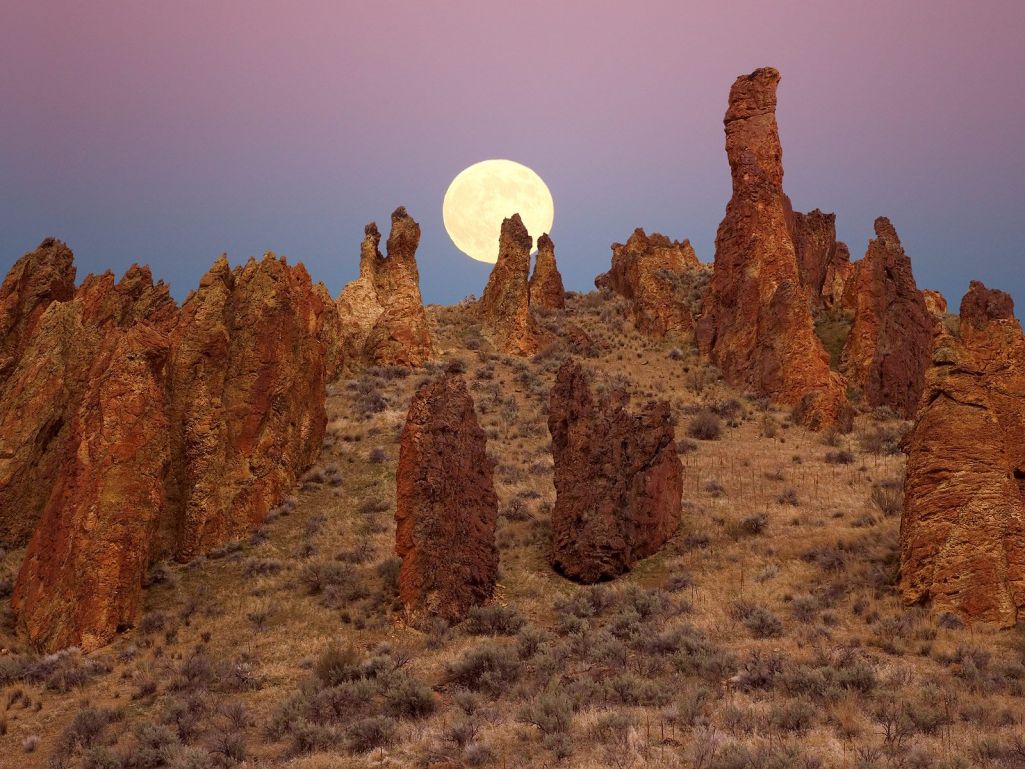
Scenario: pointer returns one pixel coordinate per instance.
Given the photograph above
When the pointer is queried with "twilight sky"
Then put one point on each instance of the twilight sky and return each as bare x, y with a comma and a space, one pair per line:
167, 133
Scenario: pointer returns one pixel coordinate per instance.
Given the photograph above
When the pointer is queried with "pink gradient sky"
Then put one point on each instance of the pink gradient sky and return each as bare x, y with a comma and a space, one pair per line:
169, 132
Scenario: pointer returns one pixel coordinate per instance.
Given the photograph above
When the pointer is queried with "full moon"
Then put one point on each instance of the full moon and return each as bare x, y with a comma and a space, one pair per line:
484, 194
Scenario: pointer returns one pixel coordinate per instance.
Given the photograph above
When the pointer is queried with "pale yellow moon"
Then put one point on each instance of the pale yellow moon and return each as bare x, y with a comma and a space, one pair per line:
484, 194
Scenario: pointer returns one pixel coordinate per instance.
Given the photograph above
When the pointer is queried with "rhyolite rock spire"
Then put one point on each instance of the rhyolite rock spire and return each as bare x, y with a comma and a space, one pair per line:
130, 430
546, 289
505, 304
823, 261
382, 311
962, 534
652, 273
890, 343
756, 323
446, 506
618, 480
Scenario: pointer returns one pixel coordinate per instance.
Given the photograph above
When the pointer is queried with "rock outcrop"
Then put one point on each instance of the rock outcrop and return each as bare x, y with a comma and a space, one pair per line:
962, 536
935, 302
545, 286
823, 261
756, 323
505, 305
618, 480
653, 273
38, 279
246, 383
446, 505
81, 578
130, 430
382, 313
43, 389
890, 342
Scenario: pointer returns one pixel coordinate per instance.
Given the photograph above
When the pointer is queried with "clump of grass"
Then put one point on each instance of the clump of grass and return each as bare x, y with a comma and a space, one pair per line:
705, 426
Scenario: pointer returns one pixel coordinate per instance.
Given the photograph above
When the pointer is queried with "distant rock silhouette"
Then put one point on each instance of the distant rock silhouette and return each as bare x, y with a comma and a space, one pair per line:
962, 538
545, 286
446, 505
756, 323
890, 342
653, 274
382, 312
505, 304
618, 480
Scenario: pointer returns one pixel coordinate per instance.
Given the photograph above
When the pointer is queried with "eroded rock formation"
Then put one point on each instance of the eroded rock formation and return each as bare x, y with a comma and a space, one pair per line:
129, 430
382, 312
963, 530
656, 277
890, 342
505, 304
823, 261
81, 578
42, 390
756, 323
935, 302
545, 286
445, 505
246, 381
618, 480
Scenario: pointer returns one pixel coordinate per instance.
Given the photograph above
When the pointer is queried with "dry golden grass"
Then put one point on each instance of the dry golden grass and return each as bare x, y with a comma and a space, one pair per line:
767, 633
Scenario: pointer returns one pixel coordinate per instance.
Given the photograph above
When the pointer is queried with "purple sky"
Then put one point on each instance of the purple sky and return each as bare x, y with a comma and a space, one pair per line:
167, 133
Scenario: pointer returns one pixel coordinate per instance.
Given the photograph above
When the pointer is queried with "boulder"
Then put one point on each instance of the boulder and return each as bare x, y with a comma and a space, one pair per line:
446, 505
618, 479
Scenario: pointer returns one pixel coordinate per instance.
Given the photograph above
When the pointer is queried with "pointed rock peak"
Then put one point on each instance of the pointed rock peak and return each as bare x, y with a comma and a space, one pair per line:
219, 272
886, 232
404, 236
546, 288
753, 94
545, 245
370, 232
981, 305
514, 232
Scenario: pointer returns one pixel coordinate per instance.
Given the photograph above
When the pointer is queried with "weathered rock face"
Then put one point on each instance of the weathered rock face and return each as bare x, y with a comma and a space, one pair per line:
505, 305
545, 287
382, 312
618, 480
652, 274
81, 578
890, 343
246, 386
935, 303
43, 389
756, 324
36, 280
823, 261
445, 505
963, 529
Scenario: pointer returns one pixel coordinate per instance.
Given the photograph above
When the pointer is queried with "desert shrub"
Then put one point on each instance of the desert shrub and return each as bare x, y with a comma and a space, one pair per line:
489, 667
842, 457
367, 734
494, 620
760, 671
705, 425
880, 440
888, 497
761, 622
788, 497
750, 526
551, 712
794, 715
408, 697
85, 729
319, 575
337, 664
